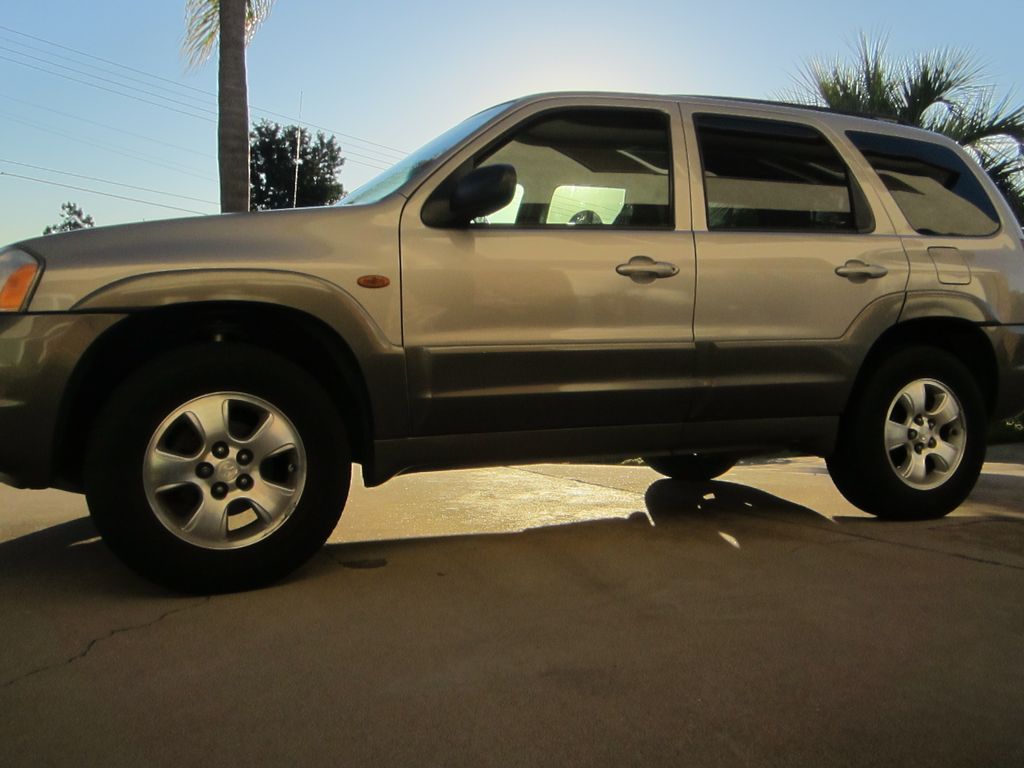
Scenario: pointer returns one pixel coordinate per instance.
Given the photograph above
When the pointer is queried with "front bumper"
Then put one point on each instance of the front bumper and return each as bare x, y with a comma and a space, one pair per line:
38, 356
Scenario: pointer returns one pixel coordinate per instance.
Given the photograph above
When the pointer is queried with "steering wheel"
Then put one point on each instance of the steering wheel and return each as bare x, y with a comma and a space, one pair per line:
585, 217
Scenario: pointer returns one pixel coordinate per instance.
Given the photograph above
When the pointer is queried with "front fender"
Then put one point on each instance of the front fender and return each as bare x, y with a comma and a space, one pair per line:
327, 302
382, 363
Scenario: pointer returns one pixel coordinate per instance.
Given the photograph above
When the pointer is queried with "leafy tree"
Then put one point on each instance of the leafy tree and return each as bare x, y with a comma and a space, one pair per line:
229, 25
943, 90
71, 218
272, 167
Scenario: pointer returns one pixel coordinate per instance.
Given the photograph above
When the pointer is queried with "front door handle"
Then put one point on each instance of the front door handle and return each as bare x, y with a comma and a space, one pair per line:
855, 269
644, 269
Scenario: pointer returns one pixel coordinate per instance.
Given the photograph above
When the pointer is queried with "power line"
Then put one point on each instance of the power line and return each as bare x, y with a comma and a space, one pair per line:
105, 61
400, 152
108, 127
108, 90
78, 63
380, 163
97, 192
198, 108
374, 162
105, 181
131, 155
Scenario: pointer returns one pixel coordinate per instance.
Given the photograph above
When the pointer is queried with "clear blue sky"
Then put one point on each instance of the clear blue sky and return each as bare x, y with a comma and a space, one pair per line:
394, 74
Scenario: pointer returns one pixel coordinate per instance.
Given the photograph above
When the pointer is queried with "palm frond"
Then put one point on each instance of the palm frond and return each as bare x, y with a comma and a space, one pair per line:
832, 84
942, 90
868, 84
877, 76
202, 26
1005, 166
256, 12
978, 119
943, 76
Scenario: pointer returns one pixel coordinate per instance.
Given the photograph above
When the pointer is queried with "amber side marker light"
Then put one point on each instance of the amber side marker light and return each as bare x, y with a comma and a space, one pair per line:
374, 281
15, 285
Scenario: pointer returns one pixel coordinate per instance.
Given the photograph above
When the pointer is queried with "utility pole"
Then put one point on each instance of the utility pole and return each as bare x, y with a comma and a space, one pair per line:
298, 158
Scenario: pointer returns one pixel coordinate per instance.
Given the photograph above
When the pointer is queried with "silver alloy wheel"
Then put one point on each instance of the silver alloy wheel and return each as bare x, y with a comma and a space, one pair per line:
925, 434
224, 470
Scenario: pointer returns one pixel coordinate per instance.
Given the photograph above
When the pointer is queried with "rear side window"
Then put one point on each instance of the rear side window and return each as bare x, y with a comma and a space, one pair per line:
931, 184
771, 175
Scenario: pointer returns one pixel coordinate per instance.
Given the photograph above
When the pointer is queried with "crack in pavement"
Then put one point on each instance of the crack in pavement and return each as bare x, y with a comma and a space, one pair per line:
97, 640
576, 480
918, 547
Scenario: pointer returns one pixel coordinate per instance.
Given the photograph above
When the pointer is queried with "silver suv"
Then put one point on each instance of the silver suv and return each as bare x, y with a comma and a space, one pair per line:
563, 276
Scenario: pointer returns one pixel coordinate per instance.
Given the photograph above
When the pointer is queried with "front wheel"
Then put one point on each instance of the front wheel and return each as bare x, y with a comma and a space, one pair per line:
912, 443
217, 468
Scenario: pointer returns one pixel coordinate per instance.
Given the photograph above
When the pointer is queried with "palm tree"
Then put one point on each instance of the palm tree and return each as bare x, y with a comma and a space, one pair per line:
231, 23
943, 90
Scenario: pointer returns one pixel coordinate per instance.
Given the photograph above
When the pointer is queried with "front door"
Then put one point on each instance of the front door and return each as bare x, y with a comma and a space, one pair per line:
573, 305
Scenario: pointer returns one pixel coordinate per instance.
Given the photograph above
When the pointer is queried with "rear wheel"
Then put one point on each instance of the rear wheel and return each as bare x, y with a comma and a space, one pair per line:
217, 468
912, 443
692, 467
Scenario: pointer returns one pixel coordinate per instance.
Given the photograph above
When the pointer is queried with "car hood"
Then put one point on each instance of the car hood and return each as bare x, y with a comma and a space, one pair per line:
312, 241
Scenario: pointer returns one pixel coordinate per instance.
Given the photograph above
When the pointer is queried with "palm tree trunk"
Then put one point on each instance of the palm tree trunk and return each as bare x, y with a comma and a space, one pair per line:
233, 120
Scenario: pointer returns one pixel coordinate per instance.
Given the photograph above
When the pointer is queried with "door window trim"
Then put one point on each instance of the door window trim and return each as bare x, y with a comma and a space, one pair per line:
860, 206
937, 147
664, 112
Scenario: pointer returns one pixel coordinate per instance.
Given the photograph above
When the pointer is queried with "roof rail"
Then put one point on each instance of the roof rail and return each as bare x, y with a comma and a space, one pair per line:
812, 107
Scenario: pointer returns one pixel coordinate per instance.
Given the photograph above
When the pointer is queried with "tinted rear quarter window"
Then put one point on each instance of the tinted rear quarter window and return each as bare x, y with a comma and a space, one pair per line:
932, 185
774, 175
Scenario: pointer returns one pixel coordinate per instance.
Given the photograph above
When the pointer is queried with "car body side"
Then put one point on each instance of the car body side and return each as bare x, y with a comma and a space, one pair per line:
112, 298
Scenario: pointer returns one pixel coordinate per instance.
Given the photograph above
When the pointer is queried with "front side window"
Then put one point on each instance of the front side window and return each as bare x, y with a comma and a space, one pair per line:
772, 175
587, 168
932, 185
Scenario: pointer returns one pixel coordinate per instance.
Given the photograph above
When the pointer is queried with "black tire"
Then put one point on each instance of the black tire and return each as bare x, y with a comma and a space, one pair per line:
692, 467
869, 474
120, 444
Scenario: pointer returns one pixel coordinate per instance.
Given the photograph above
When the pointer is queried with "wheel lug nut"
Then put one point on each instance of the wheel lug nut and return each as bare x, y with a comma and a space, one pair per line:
244, 457
919, 420
204, 470
219, 490
220, 450
931, 423
244, 482
912, 434
919, 447
932, 443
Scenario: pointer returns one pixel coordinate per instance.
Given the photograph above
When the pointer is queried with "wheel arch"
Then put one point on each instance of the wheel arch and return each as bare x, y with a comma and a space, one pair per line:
962, 338
144, 335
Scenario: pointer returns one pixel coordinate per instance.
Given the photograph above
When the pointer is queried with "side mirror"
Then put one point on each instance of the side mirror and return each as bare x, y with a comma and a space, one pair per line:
478, 193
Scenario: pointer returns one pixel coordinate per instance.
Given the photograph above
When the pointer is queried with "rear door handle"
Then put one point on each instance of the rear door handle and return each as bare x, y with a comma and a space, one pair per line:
857, 269
644, 269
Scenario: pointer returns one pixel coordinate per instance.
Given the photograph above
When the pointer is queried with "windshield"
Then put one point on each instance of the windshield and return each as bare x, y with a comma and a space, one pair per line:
385, 183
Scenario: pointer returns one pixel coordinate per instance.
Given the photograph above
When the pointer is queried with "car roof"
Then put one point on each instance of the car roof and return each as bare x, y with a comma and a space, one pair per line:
838, 119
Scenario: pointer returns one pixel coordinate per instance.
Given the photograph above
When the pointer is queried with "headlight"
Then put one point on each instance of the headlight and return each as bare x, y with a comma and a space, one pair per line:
18, 273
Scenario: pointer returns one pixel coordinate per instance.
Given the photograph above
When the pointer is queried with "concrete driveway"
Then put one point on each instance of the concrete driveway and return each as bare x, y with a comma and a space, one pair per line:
551, 615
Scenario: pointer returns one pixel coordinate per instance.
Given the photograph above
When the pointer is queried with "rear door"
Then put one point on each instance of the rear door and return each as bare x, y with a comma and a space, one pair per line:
795, 258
